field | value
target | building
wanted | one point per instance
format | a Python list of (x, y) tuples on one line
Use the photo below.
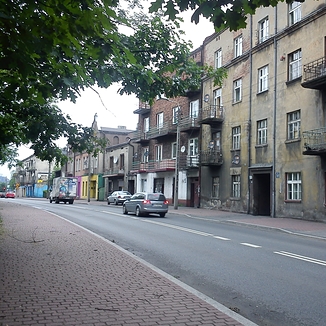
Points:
[(265, 127), (32, 177)]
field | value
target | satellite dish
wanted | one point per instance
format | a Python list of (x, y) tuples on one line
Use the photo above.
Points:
[(115, 159), (183, 149)]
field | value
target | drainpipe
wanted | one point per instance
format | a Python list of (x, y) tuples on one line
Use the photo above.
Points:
[(274, 114), (249, 118)]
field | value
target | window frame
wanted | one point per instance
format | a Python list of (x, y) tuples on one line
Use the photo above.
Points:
[(263, 30), (263, 79), (159, 153), (218, 58), (237, 90), (295, 65), (145, 158), (262, 132), (174, 150), (236, 186), (159, 120), (175, 115), (215, 187), (293, 191), (146, 124), (295, 13), (237, 46), (194, 109), (193, 146), (293, 125), (236, 138)]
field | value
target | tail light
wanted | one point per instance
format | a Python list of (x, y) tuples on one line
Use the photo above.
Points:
[(119, 196), (146, 202), (166, 202)]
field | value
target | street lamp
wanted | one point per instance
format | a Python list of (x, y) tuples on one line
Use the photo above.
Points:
[(177, 155)]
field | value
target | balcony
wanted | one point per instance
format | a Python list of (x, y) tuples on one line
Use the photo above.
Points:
[(140, 137), (164, 129), (211, 114), (192, 161), (314, 74), (189, 123), (143, 109), (114, 172), (153, 166), (211, 157), (314, 142)]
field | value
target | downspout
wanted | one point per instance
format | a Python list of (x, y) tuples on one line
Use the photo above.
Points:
[(133, 157), (249, 119), (274, 114)]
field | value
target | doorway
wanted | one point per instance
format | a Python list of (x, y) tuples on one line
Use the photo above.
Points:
[(261, 203)]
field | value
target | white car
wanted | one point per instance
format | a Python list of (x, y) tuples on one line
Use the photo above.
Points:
[(118, 197)]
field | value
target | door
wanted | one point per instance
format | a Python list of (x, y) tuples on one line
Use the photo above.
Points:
[(261, 194)]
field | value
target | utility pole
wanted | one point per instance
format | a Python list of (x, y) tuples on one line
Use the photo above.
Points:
[(89, 179), (177, 161)]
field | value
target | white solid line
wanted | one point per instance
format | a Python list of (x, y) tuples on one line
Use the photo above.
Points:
[(303, 258), (220, 238)]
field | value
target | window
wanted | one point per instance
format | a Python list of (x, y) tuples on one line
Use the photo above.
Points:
[(111, 162), (236, 186), (217, 97), (216, 187), (237, 90), (236, 135), (194, 107), (193, 147), (262, 132), (115, 140), (95, 160), (122, 162), (295, 65), (263, 79), (217, 141), (294, 125), (145, 154), (146, 124), (175, 115), (263, 30), (294, 12), (293, 185), (174, 150), (218, 58), (238, 46), (85, 162), (159, 120), (158, 152)]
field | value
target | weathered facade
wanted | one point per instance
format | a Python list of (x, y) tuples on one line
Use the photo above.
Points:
[(32, 177), (269, 131)]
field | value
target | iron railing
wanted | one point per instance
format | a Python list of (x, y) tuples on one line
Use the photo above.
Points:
[(211, 157), (315, 140), (314, 69), (212, 112)]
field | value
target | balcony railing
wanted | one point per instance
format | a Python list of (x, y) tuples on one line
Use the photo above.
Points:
[(314, 74), (314, 141), (115, 171), (139, 136), (192, 161), (189, 123), (162, 130), (153, 166), (211, 113), (211, 157)]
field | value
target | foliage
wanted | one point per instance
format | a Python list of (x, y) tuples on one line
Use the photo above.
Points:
[(52, 50), (222, 13)]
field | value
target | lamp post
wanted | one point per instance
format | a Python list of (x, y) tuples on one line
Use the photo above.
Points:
[(177, 154)]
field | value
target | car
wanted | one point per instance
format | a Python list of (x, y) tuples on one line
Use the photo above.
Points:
[(143, 204), (118, 197), (10, 194)]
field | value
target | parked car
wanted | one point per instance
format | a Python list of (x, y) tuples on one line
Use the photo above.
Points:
[(143, 203), (2, 194), (10, 194), (118, 197)]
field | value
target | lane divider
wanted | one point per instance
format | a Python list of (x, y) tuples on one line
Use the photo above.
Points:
[(304, 258)]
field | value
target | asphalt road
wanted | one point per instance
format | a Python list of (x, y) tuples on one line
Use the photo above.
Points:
[(267, 276)]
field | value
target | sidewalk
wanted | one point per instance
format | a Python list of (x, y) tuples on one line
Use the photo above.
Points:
[(53, 272)]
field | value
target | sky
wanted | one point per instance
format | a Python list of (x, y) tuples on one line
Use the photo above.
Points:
[(117, 110)]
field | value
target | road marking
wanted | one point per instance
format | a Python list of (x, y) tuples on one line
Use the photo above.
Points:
[(250, 245), (220, 238), (304, 258)]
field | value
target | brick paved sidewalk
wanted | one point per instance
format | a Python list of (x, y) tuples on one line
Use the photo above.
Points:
[(53, 272)]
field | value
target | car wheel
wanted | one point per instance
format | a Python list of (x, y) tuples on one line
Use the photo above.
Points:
[(50, 200), (116, 202), (108, 202), (138, 213), (124, 209), (162, 214)]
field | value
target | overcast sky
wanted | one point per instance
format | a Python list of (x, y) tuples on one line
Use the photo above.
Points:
[(117, 109)]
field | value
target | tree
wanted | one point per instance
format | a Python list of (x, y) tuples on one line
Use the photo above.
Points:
[(51, 50), (222, 13)]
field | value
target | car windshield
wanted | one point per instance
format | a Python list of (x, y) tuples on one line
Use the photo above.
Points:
[(156, 196)]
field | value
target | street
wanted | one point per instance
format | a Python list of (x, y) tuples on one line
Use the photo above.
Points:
[(269, 277)]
